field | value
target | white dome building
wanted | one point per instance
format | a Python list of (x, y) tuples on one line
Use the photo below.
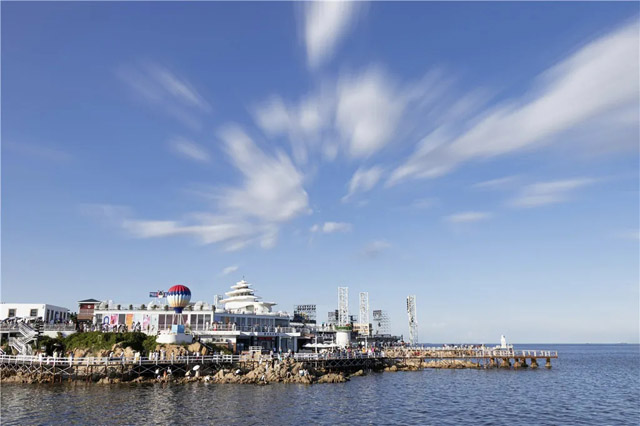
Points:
[(241, 300)]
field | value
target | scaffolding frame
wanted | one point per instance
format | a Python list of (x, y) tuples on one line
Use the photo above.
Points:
[(413, 319), (363, 317), (343, 306)]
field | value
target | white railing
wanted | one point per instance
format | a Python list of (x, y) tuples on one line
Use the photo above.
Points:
[(217, 359), (462, 352), (189, 359), (59, 327), (249, 328), (27, 331)]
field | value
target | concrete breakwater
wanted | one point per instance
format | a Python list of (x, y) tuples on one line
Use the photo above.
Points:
[(176, 365)]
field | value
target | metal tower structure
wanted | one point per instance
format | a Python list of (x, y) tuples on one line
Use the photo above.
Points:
[(413, 319), (381, 322), (343, 306), (363, 318)]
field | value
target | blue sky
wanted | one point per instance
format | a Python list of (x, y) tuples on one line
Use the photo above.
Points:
[(481, 156)]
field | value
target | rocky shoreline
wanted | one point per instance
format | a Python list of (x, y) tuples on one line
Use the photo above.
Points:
[(286, 370)]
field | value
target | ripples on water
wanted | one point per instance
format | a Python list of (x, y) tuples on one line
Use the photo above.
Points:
[(589, 384)]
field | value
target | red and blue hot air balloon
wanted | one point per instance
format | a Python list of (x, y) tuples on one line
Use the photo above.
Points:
[(178, 297)]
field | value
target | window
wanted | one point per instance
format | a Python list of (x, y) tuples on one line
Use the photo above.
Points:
[(12, 312), (33, 313)]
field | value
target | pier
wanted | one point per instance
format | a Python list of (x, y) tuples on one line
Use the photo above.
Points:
[(481, 357), (390, 359)]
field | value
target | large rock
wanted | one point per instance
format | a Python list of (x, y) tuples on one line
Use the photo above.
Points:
[(332, 378), (198, 347)]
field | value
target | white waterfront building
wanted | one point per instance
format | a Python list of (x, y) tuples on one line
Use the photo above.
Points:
[(240, 321), (44, 311), (241, 299)]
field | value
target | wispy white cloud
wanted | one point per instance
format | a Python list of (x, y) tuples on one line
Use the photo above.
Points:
[(325, 23), (272, 190), (42, 152), (356, 114), (303, 122), (499, 183), (423, 203), (468, 217), (539, 194), (598, 79), (229, 269), (368, 111), (363, 180), (189, 150), (160, 87), (331, 227), (375, 248), (628, 234), (251, 213)]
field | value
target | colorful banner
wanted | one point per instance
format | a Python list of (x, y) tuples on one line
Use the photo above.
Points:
[(129, 321), (114, 319), (145, 322)]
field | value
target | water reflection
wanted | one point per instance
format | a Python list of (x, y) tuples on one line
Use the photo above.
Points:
[(588, 384)]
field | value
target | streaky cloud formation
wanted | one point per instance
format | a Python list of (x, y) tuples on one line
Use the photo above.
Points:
[(629, 234), (599, 78), (325, 23), (273, 188), (271, 193), (368, 111), (539, 194), (331, 227), (363, 180), (229, 269), (190, 150), (375, 248), (357, 114), (43, 152), (498, 183), (467, 217), (158, 86)]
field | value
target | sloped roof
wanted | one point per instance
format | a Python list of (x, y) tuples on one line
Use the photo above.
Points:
[(89, 301)]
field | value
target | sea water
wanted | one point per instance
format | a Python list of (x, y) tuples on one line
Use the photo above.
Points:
[(588, 384)]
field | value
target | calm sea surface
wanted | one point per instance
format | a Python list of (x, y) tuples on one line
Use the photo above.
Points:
[(589, 384)]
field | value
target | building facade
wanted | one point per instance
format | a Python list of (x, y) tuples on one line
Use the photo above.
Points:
[(239, 321), (85, 310), (44, 311)]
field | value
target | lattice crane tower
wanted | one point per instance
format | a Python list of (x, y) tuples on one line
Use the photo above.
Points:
[(363, 318), (343, 306), (413, 319)]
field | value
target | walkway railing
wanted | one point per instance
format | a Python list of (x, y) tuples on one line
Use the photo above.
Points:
[(303, 357), (188, 359), (249, 328), (462, 352), (15, 327)]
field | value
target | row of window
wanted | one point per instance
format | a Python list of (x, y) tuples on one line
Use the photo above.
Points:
[(51, 315), (32, 313), (247, 321)]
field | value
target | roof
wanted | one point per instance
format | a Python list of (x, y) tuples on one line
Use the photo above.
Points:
[(89, 301)]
